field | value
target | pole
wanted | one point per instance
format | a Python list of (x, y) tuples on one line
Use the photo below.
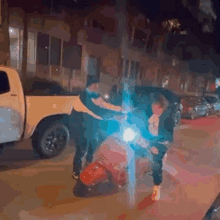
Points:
[(122, 35)]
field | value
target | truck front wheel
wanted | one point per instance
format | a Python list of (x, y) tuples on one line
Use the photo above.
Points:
[(50, 141)]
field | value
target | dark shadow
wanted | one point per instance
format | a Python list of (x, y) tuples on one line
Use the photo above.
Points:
[(102, 189), (17, 158), (107, 189), (146, 202)]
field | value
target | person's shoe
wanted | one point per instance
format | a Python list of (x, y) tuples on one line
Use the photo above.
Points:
[(75, 176), (156, 193)]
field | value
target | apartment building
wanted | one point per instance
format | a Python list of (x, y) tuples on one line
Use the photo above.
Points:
[(52, 52), (96, 43), (146, 58)]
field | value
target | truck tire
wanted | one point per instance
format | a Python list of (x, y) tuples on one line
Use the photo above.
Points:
[(50, 141)]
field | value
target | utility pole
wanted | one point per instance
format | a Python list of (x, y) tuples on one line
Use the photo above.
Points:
[(122, 36)]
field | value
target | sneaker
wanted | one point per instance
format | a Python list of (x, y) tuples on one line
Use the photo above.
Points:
[(75, 176), (156, 193)]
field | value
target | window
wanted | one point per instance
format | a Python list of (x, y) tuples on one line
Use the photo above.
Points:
[(4, 83), (131, 65), (55, 51), (43, 49), (132, 70), (139, 38), (98, 25), (72, 55), (126, 68), (94, 66), (135, 68)]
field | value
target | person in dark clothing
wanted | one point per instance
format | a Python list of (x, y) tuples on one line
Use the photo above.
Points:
[(90, 106), (161, 126), (85, 140)]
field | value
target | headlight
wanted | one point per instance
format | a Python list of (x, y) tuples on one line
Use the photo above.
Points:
[(129, 134)]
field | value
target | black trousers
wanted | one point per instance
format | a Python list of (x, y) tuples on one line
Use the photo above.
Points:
[(86, 139), (157, 164)]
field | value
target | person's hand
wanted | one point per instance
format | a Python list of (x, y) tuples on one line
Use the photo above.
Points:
[(154, 150), (142, 142)]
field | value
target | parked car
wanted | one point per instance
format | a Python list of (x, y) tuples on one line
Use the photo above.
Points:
[(174, 100), (194, 106), (214, 101), (141, 99)]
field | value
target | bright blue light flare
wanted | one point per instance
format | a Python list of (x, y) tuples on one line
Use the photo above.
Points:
[(131, 178), (129, 135)]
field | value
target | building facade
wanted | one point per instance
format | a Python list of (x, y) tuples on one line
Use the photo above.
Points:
[(52, 53), (146, 58), (110, 44)]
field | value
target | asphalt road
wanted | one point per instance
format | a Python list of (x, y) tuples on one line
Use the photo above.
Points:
[(30, 186)]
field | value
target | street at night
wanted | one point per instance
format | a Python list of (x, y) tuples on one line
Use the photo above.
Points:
[(110, 110), (32, 188)]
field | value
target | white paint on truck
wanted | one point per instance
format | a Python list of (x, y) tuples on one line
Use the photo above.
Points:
[(20, 115)]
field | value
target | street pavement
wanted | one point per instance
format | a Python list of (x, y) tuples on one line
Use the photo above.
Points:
[(33, 189)]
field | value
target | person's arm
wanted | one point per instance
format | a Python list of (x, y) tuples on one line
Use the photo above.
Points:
[(102, 103)]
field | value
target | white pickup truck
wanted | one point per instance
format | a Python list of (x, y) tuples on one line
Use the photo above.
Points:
[(45, 119)]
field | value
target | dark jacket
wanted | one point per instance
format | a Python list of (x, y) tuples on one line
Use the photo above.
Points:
[(166, 126), (86, 97)]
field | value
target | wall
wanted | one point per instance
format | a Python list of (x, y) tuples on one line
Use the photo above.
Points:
[(154, 70), (53, 28)]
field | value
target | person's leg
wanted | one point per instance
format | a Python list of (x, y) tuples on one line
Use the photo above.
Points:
[(81, 147), (91, 150), (157, 177), (92, 140), (77, 162), (157, 168)]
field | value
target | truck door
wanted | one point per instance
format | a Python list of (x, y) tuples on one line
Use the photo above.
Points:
[(11, 120)]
